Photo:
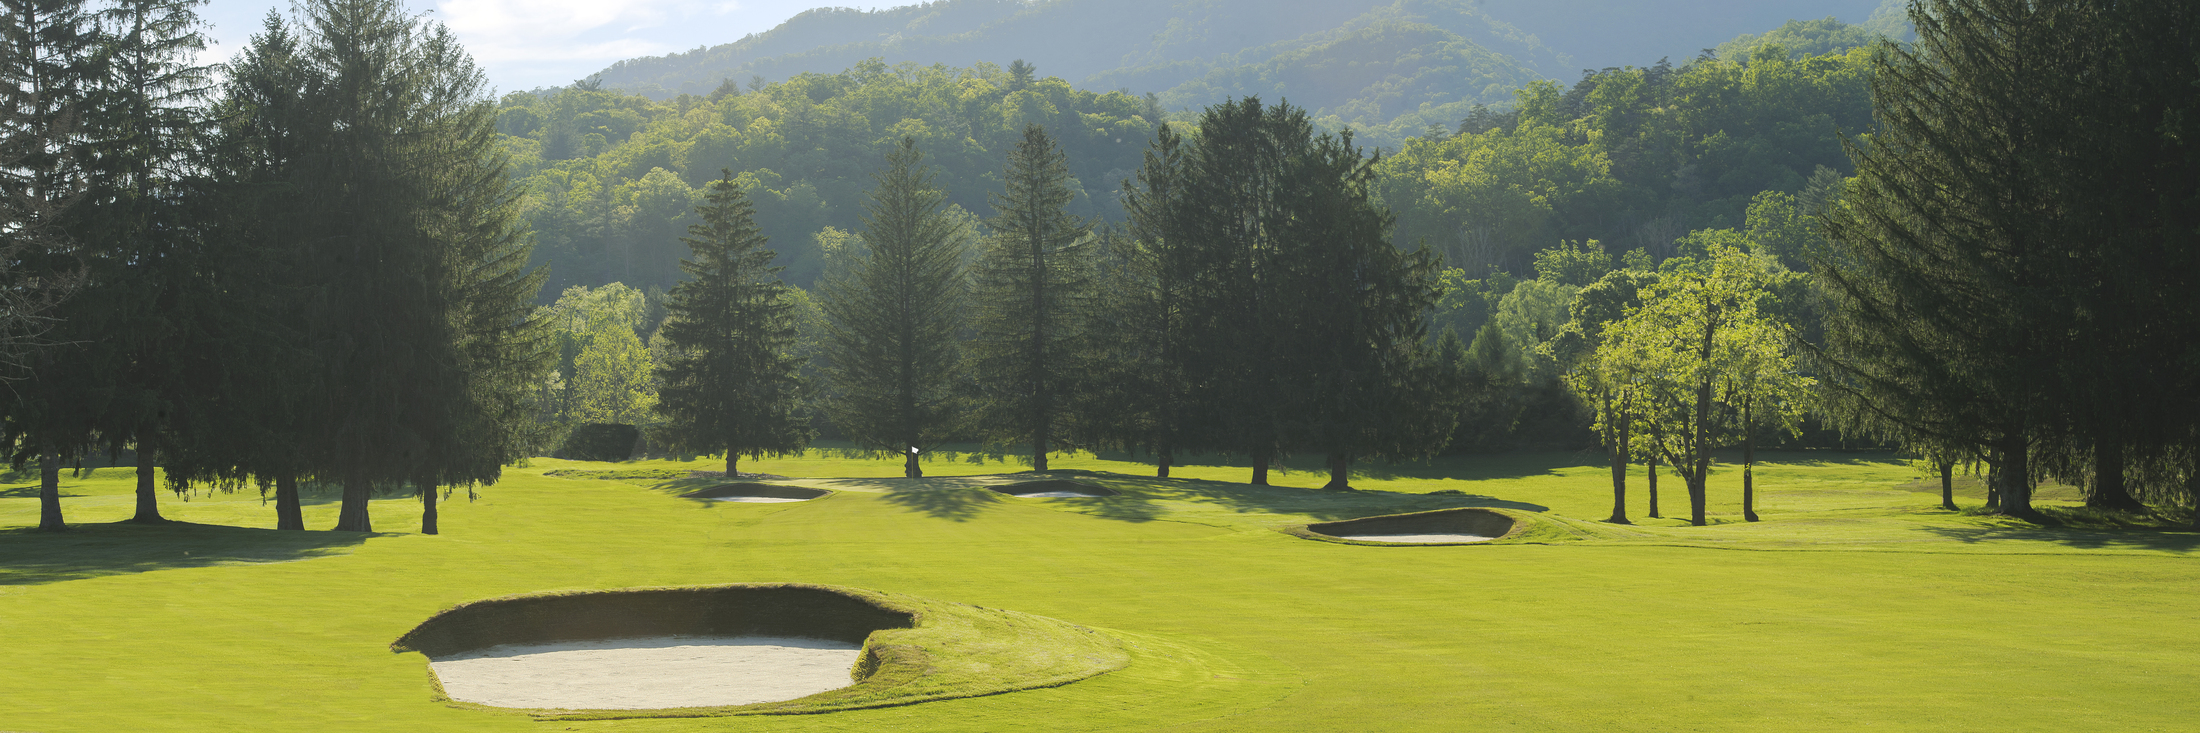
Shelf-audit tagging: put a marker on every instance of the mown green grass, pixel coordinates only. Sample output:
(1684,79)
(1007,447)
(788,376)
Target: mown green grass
(1857,604)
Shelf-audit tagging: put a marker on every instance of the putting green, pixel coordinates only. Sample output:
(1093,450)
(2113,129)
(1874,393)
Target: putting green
(1854,605)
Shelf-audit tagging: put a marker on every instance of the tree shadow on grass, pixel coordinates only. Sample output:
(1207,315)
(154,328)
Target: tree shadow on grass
(957,499)
(29,492)
(29,557)
(1462,467)
(2181,542)
(1142,499)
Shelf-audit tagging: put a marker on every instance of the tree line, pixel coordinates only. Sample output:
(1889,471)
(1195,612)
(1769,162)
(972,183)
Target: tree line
(309,268)
(1253,306)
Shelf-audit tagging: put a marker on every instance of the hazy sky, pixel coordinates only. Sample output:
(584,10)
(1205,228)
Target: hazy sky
(524,44)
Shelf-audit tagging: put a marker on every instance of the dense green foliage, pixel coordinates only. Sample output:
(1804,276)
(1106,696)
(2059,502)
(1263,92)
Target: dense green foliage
(2004,270)
(1634,157)
(612,178)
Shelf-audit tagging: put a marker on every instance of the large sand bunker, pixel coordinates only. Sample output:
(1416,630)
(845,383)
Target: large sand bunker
(742,649)
(1055,489)
(651,648)
(756,493)
(647,673)
(1441,527)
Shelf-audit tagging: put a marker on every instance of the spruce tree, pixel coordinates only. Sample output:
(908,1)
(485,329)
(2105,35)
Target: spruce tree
(1033,285)
(891,353)
(1951,279)
(731,380)
(251,375)
(1138,397)
(1358,328)
(1238,356)
(51,68)
(150,256)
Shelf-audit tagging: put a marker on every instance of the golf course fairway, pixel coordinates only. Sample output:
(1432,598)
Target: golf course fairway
(1855,605)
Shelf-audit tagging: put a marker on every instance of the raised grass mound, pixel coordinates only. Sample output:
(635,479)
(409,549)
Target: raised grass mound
(753,492)
(1472,525)
(1055,489)
(912,649)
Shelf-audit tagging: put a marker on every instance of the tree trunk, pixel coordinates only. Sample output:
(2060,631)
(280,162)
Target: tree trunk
(1260,467)
(2192,488)
(1162,461)
(1696,493)
(1948,485)
(353,516)
(1993,483)
(427,508)
(733,464)
(2110,491)
(1340,472)
(2016,500)
(49,492)
(289,514)
(1749,465)
(909,467)
(1617,439)
(148,503)
(1652,464)
(1039,451)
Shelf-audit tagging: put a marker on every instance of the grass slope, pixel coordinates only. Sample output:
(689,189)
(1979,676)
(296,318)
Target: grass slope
(1856,604)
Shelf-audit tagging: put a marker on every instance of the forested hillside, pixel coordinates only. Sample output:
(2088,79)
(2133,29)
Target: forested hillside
(1632,157)
(613,179)
(1386,69)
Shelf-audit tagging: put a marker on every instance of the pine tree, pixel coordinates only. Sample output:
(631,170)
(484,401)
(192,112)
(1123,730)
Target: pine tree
(1238,356)
(250,371)
(51,65)
(1033,285)
(1951,278)
(1358,327)
(1138,397)
(732,380)
(147,256)
(891,351)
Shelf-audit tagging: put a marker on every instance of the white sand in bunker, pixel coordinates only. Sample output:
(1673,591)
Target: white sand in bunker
(646,673)
(755,499)
(1418,539)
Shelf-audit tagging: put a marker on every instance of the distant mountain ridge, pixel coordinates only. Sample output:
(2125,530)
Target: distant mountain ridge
(1386,67)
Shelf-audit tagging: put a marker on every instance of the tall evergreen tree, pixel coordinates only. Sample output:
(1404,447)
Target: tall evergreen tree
(1952,303)
(1138,397)
(251,370)
(51,66)
(891,350)
(1033,284)
(1358,319)
(732,380)
(1239,350)
(148,122)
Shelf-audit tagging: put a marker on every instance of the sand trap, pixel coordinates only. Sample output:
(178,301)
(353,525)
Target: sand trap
(645,673)
(1055,489)
(1421,539)
(754,493)
(1441,527)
